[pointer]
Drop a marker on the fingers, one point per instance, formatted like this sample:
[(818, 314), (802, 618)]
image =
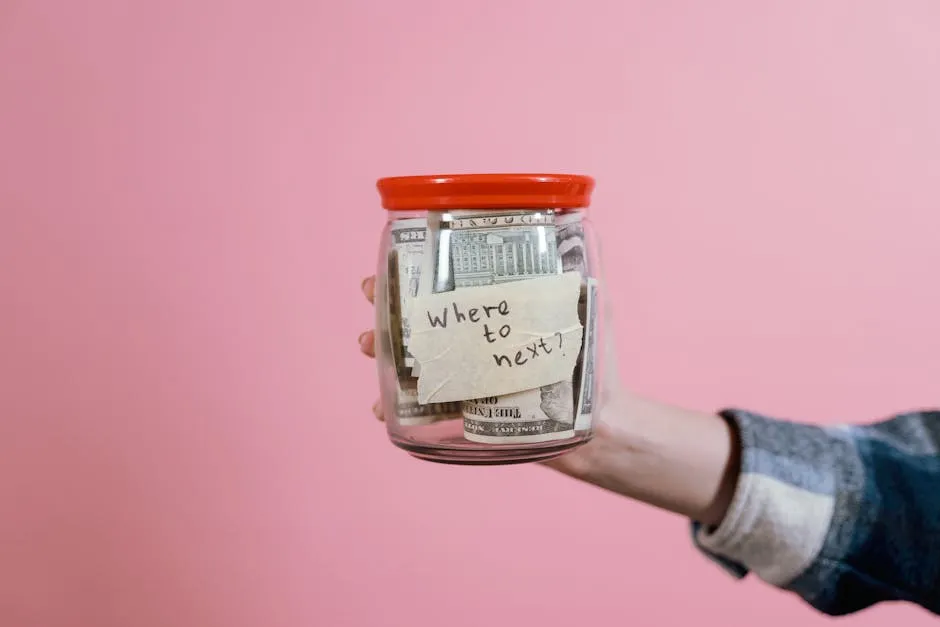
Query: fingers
[(377, 410), (367, 343), (368, 288), (367, 339)]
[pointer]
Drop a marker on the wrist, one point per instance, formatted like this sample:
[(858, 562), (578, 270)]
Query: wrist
[(675, 459)]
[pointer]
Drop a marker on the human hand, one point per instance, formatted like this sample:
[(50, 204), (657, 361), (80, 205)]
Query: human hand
[(672, 458)]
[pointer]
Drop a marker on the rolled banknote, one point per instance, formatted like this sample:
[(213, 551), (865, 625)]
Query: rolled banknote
[(571, 249), (540, 415), (406, 256), (586, 371), (412, 413), (570, 237)]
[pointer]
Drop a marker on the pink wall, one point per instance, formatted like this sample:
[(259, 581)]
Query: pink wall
[(188, 206)]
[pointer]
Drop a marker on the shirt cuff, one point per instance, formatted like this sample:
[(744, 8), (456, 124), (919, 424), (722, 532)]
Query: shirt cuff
[(783, 503)]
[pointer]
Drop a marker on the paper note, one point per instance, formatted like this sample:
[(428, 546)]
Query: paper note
[(496, 339)]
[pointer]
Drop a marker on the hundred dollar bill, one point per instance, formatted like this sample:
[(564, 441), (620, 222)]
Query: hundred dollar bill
[(488, 249), (540, 415), (586, 372)]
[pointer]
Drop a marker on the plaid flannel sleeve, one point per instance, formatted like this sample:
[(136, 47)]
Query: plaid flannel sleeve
[(845, 517)]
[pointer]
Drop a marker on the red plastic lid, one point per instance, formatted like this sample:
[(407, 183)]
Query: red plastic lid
[(485, 191)]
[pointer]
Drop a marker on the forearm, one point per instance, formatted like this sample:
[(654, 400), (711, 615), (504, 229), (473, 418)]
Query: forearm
[(845, 517), (679, 460)]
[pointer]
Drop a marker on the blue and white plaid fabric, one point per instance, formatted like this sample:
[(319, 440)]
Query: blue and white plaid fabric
[(845, 517)]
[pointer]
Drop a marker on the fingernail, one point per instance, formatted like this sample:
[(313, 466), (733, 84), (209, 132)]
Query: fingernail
[(362, 286), (375, 409), (362, 339)]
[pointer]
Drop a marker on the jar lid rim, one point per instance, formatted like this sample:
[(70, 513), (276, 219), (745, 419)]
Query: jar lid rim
[(485, 191)]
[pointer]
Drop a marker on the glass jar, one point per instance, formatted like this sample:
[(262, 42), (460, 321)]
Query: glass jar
[(488, 316)]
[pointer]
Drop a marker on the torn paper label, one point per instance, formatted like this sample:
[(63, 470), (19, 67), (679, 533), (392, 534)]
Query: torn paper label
[(492, 340)]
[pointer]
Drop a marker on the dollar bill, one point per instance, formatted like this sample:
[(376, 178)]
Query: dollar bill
[(540, 415), (412, 413), (431, 269), (492, 249), (488, 249), (406, 255), (586, 373), (571, 249), (405, 265), (396, 319)]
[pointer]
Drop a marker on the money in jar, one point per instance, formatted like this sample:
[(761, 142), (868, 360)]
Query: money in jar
[(488, 316)]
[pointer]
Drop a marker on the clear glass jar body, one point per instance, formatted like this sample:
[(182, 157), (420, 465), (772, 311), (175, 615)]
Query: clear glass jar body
[(421, 254)]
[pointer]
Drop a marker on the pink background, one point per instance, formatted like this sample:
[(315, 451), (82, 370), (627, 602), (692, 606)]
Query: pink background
[(188, 205)]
